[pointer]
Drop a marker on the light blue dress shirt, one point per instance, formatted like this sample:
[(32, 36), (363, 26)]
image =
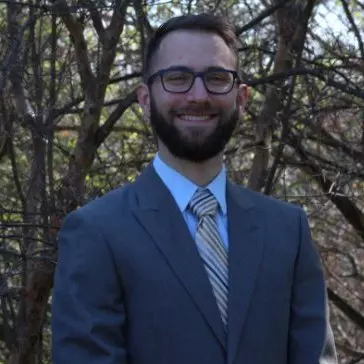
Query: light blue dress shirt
[(183, 189)]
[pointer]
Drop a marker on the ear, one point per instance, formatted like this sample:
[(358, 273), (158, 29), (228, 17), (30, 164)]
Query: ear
[(144, 99), (242, 96)]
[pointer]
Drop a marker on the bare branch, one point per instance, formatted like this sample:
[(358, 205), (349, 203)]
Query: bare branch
[(350, 312), (349, 210), (110, 41), (95, 16), (80, 44), (106, 128), (292, 30), (279, 76), (263, 15), (354, 26)]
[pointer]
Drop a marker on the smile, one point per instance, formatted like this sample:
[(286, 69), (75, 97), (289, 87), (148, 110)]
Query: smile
[(196, 117)]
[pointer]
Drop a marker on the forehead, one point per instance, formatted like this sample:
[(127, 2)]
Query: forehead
[(194, 49)]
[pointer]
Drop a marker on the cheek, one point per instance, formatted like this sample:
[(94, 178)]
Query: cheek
[(228, 105), (168, 104), (225, 101)]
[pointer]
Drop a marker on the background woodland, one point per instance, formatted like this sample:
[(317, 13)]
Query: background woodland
[(71, 130)]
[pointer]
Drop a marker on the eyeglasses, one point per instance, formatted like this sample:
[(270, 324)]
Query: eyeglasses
[(179, 80)]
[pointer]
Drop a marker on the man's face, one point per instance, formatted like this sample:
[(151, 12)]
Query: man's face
[(195, 125)]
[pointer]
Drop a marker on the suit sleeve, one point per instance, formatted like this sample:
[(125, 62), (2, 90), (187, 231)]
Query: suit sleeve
[(310, 339), (87, 305)]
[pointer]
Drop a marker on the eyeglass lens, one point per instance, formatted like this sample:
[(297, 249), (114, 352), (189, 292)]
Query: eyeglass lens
[(181, 81)]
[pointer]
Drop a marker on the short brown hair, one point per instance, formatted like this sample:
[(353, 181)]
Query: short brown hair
[(201, 22)]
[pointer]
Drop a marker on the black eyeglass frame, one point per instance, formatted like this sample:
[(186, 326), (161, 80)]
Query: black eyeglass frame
[(236, 79)]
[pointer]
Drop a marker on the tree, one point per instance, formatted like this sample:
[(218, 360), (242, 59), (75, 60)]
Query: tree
[(70, 130)]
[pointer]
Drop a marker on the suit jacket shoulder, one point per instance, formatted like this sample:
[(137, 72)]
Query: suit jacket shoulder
[(271, 207)]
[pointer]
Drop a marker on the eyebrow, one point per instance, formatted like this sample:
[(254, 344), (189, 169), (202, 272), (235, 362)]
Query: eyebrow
[(208, 68)]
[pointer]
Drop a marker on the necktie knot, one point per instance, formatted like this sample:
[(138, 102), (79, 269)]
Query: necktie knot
[(203, 203)]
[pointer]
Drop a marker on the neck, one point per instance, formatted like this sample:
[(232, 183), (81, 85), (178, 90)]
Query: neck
[(199, 173)]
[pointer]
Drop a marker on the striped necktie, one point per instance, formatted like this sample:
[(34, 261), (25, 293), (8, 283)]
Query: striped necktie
[(211, 248)]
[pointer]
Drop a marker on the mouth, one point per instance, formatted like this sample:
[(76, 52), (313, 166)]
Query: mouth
[(197, 118)]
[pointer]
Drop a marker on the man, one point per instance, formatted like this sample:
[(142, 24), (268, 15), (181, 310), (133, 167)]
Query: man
[(183, 266)]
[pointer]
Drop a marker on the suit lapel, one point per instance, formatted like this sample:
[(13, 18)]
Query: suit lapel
[(158, 213), (246, 237)]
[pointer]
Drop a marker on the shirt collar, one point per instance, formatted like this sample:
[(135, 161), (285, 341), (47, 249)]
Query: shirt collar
[(182, 189)]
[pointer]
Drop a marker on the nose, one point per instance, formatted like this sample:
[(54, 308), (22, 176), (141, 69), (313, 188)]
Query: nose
[(198, 92)]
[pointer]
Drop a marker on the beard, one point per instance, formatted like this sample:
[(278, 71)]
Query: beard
[(195, 147)]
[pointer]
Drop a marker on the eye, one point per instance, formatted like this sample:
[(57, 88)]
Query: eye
[(218, 77), (177, 77)]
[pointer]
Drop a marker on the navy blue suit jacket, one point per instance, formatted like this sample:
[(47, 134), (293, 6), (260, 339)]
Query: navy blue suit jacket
[(130, 287)]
